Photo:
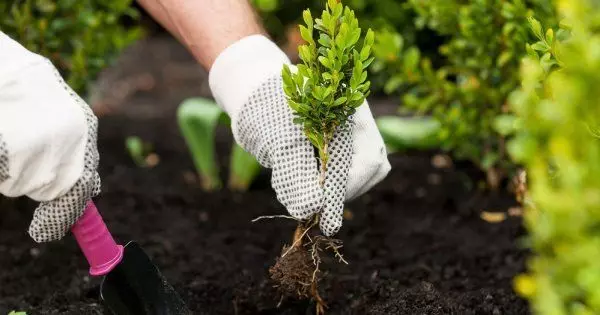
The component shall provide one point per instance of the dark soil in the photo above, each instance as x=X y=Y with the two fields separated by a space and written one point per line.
x=415 y=244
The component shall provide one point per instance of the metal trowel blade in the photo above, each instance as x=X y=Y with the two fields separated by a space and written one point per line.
x=136 y=287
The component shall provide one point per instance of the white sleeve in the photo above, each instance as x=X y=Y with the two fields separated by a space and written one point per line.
x=42 y=128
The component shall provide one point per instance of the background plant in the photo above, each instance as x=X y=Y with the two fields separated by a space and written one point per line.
x=467 y=88
x=558 y=108
x=282 y=17
x=79 y=37
x=198 y=119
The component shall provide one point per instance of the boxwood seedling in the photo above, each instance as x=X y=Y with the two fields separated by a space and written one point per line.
x=327 y=88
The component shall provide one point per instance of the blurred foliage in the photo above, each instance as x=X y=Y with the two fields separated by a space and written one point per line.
x=80 y=37
x=467 y=88
x=278 y=15
x=558 y=106
x=408 y=133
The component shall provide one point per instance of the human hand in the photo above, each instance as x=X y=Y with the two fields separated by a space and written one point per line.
x=246 y=82
x=47 y=141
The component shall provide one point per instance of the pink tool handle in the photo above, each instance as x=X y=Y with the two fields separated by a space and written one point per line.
x=94 y=239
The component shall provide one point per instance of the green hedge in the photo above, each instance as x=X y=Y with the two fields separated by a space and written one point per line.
x=466 y=89
x=558 y=110
x=455 y=60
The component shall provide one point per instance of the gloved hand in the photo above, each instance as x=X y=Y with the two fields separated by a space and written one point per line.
x=246 y=81
x=47 y=141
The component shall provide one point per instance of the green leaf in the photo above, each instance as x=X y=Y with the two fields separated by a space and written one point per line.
x=306 y=34
x=536 y=27
x=243 y=169
x=136 y=149
x=198 y=119
x=411 y=58
x=393 y=84
x=332 y=4
x=364 y=52
x=400 y=133
x=325 y=40
x=325 y=62
x=308 y=20
x=505 y=124
x=504 y=57
x=550 y=36
x=562 y=35
x=369 y=38
x=531 y=52
x=340 y=101
x=540 y=46
x=368 y=62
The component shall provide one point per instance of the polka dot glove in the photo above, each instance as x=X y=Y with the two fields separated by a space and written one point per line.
x=47 y=141
x=246 y=81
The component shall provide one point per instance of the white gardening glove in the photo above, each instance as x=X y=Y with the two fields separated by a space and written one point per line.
x=47 y=141
x=246 y=81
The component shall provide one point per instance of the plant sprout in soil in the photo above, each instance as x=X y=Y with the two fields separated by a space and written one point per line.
x=327 y=88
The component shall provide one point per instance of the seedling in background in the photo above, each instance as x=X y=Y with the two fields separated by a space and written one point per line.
x=198 y=119
x=331 y=82
x=141 y=152
x=17 y=313
x=408 y=133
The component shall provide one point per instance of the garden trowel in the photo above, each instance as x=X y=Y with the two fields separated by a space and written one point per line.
x=131 y=284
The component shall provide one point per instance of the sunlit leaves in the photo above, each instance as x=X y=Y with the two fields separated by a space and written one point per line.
x=558 y=107
x=332 y=80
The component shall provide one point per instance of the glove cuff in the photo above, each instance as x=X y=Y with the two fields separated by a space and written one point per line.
x=241 y=68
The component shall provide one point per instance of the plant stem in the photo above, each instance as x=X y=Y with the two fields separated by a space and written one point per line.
x=323 y=169
x=324 y=158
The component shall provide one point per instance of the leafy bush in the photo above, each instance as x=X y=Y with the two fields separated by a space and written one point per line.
x=558 y=107
x=281 y=19
x=279 y=14
x=467 y=88
x=79 y=37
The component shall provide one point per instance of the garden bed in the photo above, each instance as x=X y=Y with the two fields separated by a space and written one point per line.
x=416 y=243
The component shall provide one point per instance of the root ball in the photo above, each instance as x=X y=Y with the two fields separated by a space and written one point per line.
x=293 y=272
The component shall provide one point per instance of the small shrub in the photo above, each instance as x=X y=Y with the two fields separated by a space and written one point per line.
x=558 y=106
x=79 y=37
x=467 y=89
x=331 y=82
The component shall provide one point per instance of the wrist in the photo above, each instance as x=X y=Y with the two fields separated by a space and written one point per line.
x=241 y=68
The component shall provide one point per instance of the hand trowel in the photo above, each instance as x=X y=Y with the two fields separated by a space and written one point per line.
x=131 y=284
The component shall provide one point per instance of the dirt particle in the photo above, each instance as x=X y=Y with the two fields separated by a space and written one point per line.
x=203 y=216
x=434 y=179
x=515 y=211
x=493 y=217
x=152 y=160
x=441 y=161
x=34 y=252
x=189 y=177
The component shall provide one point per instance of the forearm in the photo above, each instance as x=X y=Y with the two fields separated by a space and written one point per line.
x=205 y=27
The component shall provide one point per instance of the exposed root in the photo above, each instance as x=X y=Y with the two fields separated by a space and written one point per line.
x=297 y=272
x=274 y=217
